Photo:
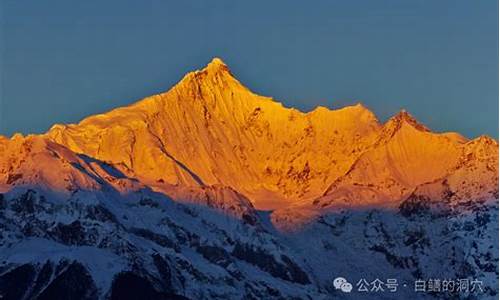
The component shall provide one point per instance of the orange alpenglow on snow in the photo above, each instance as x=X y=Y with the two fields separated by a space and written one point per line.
x=210 y=135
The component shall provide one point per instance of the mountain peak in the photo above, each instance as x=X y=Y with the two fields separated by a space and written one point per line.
x=216 y=62
x=401 y=120
x=404 y=117
x=403 y=114
x=484 y=141
x=216 y=65
x=215 y=69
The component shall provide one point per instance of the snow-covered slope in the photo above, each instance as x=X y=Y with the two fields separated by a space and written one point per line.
x=210 y=129
x=209 y=191
x=407 y=156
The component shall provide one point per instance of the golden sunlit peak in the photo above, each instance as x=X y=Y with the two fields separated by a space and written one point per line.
x=217 y=61
x=484 y=139
x=216 y=64
x=404 y=116
x=216 y=67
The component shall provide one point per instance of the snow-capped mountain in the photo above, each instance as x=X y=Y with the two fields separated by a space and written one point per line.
x=209 y=191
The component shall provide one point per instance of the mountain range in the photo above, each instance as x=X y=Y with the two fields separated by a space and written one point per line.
x=209 y=191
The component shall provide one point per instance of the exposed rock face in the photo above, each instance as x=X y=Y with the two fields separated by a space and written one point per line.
x=169 y=198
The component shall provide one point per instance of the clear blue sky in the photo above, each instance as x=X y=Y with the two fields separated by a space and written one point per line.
x=64 y=60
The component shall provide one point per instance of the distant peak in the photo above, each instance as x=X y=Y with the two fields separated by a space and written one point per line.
x=404 y=116
x=17 y=136
x=398 y=121
x=215 y=72
x=216 y=61
x=360 y=107
x=216 y=65
x=485 y=140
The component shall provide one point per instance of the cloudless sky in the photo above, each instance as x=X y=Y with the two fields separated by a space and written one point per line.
x=63 y=60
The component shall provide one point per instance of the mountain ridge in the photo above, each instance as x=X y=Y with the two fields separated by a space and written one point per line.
x=210 y=129
x=208 y=191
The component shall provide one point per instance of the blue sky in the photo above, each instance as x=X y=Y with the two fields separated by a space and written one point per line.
x=64 y=60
